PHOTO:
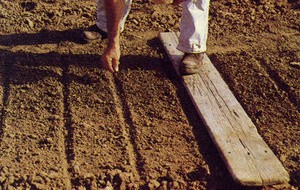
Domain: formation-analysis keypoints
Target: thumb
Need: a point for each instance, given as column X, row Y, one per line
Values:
column 115, row 65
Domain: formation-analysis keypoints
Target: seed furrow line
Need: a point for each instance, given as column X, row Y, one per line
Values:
column 281, row 84
column 129, row 130
column 4, row 83
column 69, row 136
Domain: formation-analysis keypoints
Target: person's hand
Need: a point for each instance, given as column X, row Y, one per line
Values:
column 111, row 57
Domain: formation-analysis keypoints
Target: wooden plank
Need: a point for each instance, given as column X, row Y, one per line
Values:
column 248, row 158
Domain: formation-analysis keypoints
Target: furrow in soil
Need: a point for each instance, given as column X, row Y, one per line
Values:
column 2, row 92
column 32, row 148
column 269, row 106
column 284, row 64
column 99, row 144
column 163, row 139
column 129, row 130
column 278, row 72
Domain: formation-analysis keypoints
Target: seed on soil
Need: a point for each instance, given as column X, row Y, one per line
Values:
column 94, row 185
column 2, row 179
column 49, row 140
column 33, row 136
column 174, row 184
column 153, row 184
column 76, row 169
column 89, row 175
column 11, row 135
column 81, row 188
column 30, row 23
column 295, row 64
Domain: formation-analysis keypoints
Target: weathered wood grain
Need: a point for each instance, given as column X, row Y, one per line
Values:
column 248, row 158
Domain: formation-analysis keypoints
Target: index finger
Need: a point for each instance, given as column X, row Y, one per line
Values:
column 107, row 63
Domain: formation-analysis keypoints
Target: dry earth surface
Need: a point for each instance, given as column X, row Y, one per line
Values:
column 65, row 123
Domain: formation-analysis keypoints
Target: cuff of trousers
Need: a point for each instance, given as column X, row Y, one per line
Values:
column 102, row 25
column 191, row 48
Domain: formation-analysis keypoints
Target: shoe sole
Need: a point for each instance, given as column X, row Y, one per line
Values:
column 189, row 71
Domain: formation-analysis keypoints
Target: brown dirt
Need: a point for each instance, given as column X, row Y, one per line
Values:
column 66, row 123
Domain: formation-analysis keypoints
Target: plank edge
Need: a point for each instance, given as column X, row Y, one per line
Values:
column 263, row 181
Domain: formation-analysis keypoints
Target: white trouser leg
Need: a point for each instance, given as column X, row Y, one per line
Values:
column 193, row 26
column 101, row 15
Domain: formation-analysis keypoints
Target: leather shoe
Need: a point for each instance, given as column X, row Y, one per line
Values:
column 94, row 33
column 191, row 63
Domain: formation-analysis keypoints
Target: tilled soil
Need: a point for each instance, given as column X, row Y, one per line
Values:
column 65, row 123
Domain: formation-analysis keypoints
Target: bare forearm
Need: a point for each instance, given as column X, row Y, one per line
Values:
column 114, row 11
column 111, row 56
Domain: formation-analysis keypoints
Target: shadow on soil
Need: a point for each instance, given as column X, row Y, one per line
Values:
column 43, row 37
column 31, row 67
column 26, row 68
